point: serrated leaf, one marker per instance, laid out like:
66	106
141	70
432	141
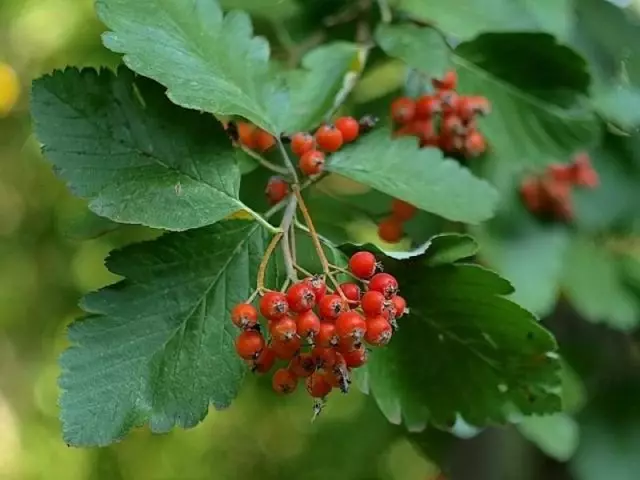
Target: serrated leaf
593	283
536	119
450	248
464	351
206	60
464	19
135	156
421	177
157	347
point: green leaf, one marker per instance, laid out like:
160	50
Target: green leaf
138	158
594	285
421	177
206	60
464	19
463	352
157	347
556	435
330	73
450	248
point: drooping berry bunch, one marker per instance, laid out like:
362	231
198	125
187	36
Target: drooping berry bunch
549	195
318	332
443	119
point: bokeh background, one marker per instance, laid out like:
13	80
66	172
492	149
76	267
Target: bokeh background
51	252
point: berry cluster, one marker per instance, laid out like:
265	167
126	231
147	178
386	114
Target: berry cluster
320	333
254	138
549	195
443	119
391	229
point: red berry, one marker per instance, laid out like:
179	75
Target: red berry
301	143
425	131
449	100
452	125
351	326
338	375
308	325
324	357
561	172
584	174
246	135
329	138
363	264
318	286
399	306
301	297
302	365
264	140
379	331
427	106
385	284
402	210
373	303
403	110
265	361
481	105
283	330
531	193
349	127
318	386
244	315
274	306
284	381
312	162
390	230
331	306
465	109
474	144
355	358
351	291
286	350
249	344
448	82
277	189
327	336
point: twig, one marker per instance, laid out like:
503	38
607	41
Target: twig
287	221
287	161
265	163
265	260
303	271
346	272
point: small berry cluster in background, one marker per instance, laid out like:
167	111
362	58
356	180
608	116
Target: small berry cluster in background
443	119
254	138
320	333
549	195
391	229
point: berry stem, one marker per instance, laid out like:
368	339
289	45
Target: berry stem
302	270
253	296
287	161
262	220
344	271
265	261
266	163
287	251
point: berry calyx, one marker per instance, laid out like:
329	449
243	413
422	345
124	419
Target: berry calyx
324	357
351	326
402	210
391	230
379	331
264	362
245	316
373	303
312	162
329	138
385	284
283	330
284	382
301	297
308	325
302	143
351	291
349	127
363	265
318	285
249	344
277	189
302	365
318	386
327	336
403	110
274	305
331	306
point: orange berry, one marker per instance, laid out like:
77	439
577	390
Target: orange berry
403	110
312	162
402	210
246	135
390	230
264	140
329	138
301	143
474	144
349	127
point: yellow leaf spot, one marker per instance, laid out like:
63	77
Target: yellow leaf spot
240	215
9	89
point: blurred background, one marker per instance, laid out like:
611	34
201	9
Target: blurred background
51	252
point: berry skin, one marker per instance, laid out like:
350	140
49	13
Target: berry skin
399	306
302	143
452	125
245	316
427	106
449	100
301	297
531	194
465	109
481	105
284	382
475	144
402	210
327	336
448	82
331	306
351	326
351	291
561	172
324	357
277	189
385	284
584	174
329	138
264	362
390	230
425	131
403	110
363	264
379	331
349	127
356	358
274	306
318	386
286	350
264	140
312	162
373	303
302	365
318	285
249	344
246	135
308	325
283	330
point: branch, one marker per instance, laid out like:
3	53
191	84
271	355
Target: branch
287	221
